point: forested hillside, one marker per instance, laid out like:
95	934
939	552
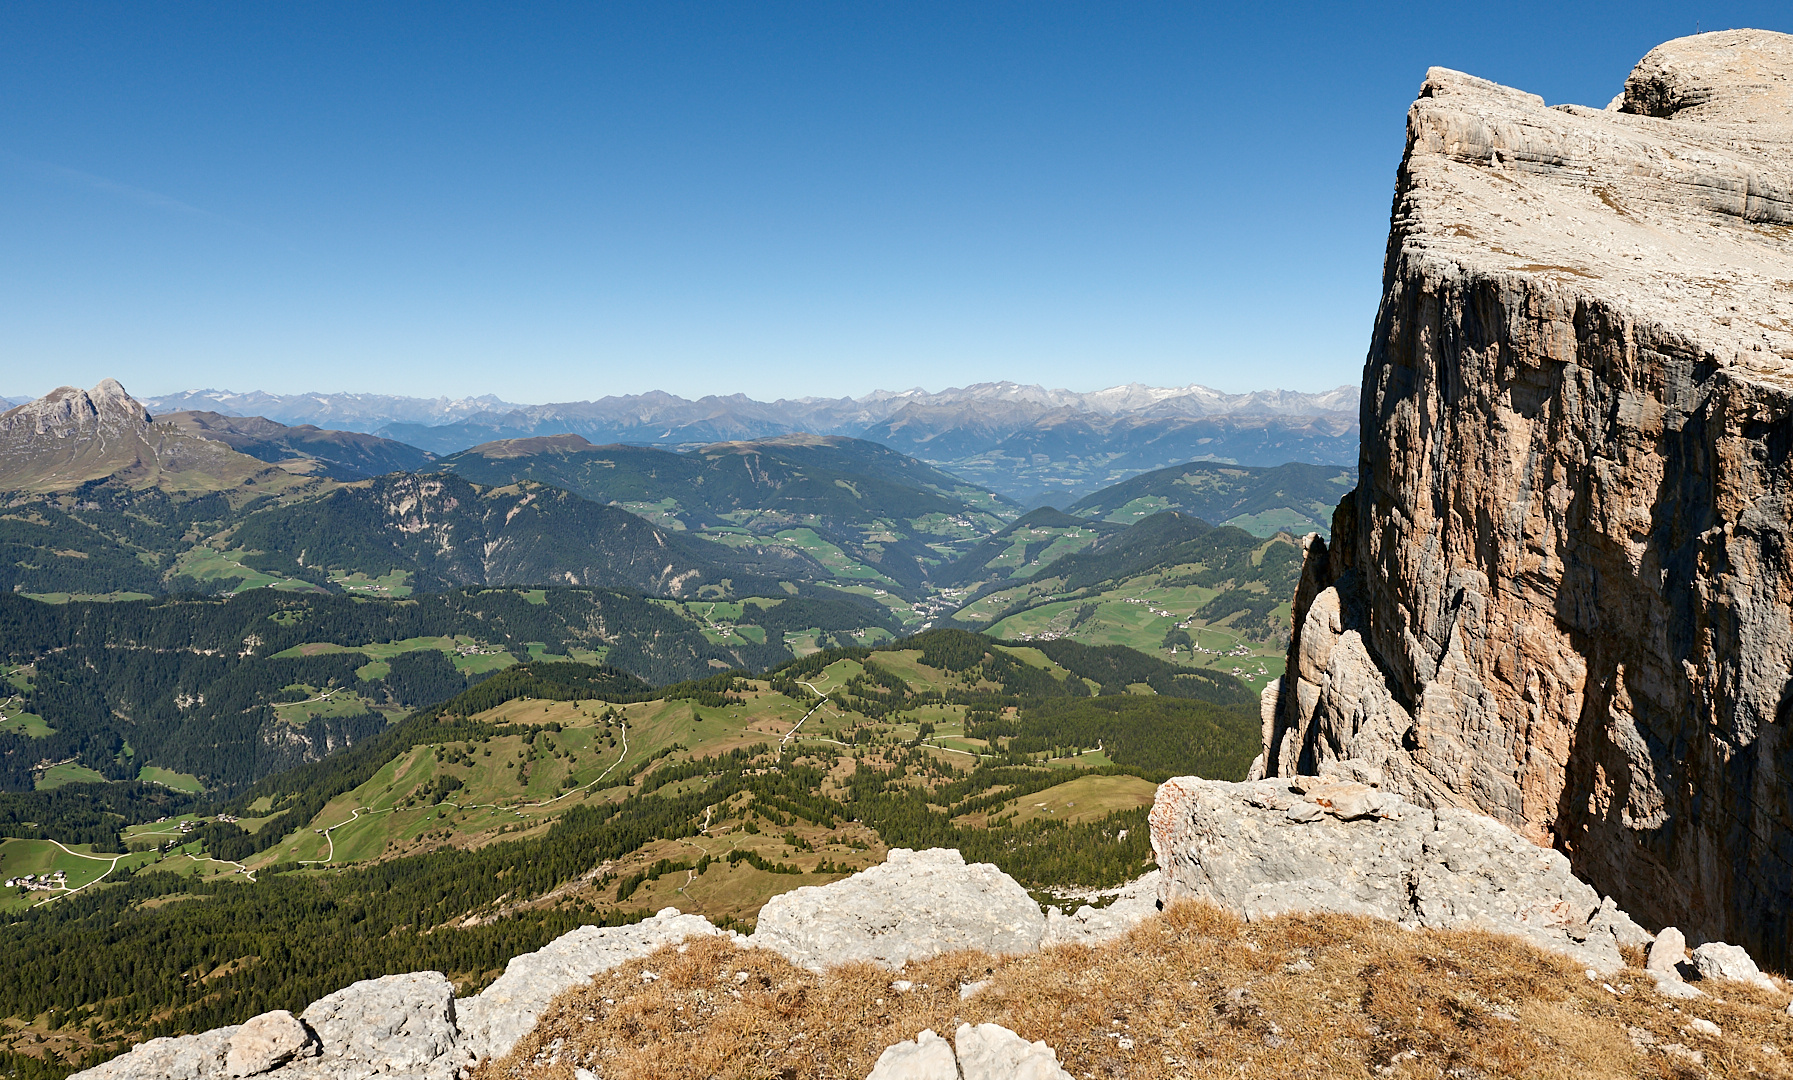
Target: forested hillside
558	793
865	512
226	691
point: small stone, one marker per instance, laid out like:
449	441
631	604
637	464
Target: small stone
1716	960
926	1057
968	990
266	1042
1705	1027
993	1052
902	986
1681	1053
1666	952
1304	812
1672	986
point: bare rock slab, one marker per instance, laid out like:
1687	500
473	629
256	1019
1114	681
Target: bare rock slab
916	905
1237	845
403	1024
267	1042
993	1052
925	1057
492	1022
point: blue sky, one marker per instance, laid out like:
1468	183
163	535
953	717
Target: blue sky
552	202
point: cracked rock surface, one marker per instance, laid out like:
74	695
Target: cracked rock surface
1238	846
1562	593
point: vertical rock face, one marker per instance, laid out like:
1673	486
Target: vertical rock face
1562	593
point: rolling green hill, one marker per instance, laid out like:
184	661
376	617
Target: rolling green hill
1292	498
442	531
1170	586
870	515
340	455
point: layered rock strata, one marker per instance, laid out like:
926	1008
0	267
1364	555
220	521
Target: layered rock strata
1562	593
1274	847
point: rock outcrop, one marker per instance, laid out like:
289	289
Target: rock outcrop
1214	839
71	437
1273	847
1562	593
398	1025
916	905
980	1052
492	1021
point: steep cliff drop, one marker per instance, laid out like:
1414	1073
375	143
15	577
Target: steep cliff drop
1562	593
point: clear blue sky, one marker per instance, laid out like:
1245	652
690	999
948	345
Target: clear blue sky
552	202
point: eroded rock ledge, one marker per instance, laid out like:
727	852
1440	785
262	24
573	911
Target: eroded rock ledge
1562	593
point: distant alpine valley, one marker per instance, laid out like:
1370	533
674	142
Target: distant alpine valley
1030	444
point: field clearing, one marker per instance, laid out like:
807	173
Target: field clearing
67	772
20	857
210	564
19	722
168	778
1131	614
337	703
390	585
74	597
482	657
1083	799
394	812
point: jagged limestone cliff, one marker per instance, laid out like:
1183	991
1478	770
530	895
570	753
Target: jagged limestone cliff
1563	590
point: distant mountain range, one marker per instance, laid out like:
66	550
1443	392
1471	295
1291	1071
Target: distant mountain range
1030	443
198	501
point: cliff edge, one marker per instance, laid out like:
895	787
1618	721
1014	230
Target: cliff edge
1562	593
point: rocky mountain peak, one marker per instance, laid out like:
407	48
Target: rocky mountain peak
1728	76
70	412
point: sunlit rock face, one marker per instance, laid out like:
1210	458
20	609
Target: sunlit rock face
1562	593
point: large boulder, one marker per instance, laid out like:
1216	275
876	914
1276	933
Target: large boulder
267	1042
402	1024
492	1022
1303	844
916	905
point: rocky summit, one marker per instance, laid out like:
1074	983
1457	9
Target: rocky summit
70	437
1559	593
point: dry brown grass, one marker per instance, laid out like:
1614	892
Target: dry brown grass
1193	993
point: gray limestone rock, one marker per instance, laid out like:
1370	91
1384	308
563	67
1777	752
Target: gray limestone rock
266	1042
925	1057
492	1022
916	905
1717	960
1559	593
993	1052
1090	925
402	1024
1667	952
1234	844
